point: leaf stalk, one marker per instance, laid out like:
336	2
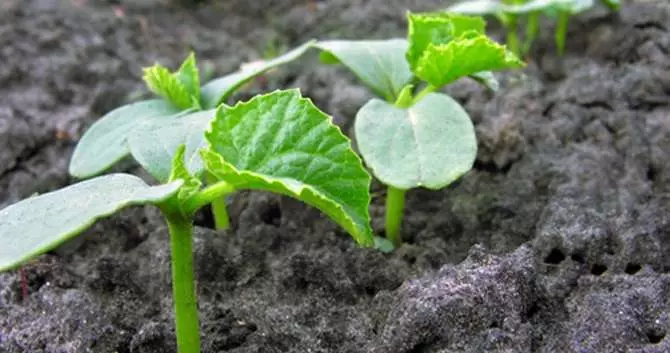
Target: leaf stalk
209	194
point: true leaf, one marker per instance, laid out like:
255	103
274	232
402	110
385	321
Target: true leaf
429	144
380	64
426	29
217	91
180	171
163	83
104	143
189	76
154	145
467	55
281	142
41	223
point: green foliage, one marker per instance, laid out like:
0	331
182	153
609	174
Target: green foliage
167	85
429	144
419	139
282	143
512	14
436	29
278	142
217	91
153	145
107	141
39	224
380	64
444	48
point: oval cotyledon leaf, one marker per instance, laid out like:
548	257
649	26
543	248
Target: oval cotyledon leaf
38	224
104	143
429	144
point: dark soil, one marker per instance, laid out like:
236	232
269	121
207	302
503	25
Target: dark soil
557	241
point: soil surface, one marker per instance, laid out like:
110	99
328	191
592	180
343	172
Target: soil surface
557	241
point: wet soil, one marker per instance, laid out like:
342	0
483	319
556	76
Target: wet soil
557	241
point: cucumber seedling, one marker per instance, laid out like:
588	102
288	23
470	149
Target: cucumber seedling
511	13
151	130
415	137
278	142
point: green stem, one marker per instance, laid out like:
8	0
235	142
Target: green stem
424	92
532	28
219	210
395	203
512	37
561	31
183	284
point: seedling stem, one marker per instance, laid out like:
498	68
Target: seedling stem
395	204
532	28
183	285
512	39
561	31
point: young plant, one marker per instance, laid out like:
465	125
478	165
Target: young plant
278	142
511	13
151	130
416	137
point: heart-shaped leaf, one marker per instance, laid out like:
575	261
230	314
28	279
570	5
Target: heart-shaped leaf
104	143
429	144
154	145
443	64
281	142
217	91
380	64
41	223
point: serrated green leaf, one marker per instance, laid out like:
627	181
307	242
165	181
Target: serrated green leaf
104	143
180	171
429	144
154	145
217	91
281	142
161	81
467	55
41	223
189	76
436	29
380	64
